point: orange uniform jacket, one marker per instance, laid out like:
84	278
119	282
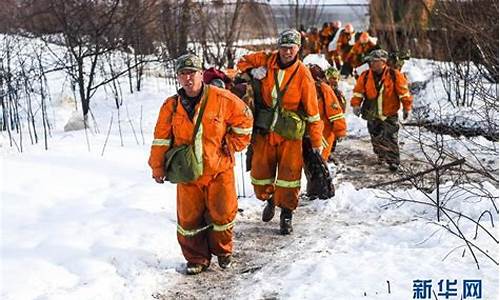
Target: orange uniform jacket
394	92
343	45
301	93
332	115
325	34
314	44
226	118
357	51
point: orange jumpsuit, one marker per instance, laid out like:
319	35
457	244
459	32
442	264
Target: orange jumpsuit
324	36
383	125
332	115
313	42
343	47
358	51
277	162
394	94
206	207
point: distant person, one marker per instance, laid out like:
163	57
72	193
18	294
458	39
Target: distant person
343	45
333	78
313	41
377	97
356	56
197	132
330	110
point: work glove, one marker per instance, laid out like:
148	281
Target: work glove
259	73
159	175
406	114
318	150
356	110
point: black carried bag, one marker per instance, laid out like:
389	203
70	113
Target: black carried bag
183	163
319	180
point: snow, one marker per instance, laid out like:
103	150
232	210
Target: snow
84	220
356	244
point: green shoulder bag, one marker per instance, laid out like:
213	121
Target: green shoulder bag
183	163
288	123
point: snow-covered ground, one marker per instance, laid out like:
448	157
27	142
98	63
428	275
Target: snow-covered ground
84	220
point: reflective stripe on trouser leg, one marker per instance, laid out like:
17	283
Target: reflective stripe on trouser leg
287	190
222	207
264	166
192	229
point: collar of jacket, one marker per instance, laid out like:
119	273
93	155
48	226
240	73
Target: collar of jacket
275	63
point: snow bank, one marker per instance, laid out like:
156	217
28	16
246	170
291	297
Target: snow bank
357	247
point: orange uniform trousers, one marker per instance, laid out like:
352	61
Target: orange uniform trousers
276	169
206	209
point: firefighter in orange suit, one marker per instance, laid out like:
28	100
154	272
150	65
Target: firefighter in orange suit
363	46
277	161
378	95
207	206
330	110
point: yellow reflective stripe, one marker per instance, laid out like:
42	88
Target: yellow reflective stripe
405	95
223	227
336	117
359	95
191	232
162	142
380	101
314	118
242	131
404	87
198	145
288	184
262	181
274	92
324	142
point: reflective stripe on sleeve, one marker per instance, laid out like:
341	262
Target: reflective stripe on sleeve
262	181
359	95
288	184
162	142
404	95
191	232
223	227
242	131
336	117
314	118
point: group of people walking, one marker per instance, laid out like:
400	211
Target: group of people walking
284	104
343	47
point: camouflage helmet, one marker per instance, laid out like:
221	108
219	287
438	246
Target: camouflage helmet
378	54
332	72
188	62
288	38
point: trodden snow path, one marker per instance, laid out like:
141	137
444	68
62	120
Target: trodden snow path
349	247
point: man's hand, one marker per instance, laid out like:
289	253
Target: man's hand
356	110
406	114
318	150
259	73
159	179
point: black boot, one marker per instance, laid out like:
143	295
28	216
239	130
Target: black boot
225	261
286	221
268	212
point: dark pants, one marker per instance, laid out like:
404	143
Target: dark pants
384	136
